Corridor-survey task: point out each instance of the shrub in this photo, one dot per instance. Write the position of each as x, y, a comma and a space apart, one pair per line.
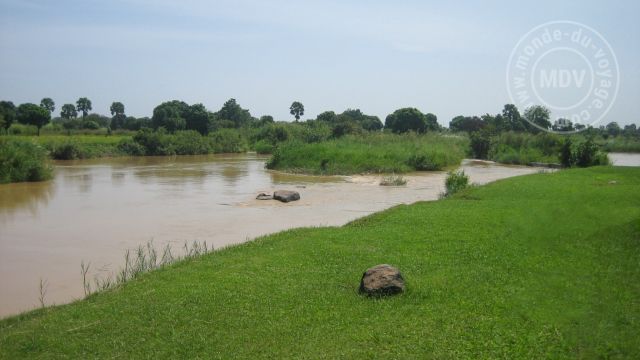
264, 147
21, 129
566, 154
422, 162
587, 154
524, 148
90, 125
23, 161
130, 147
189, 142
273, 133
456, 181
67, 150
480, 144
154, 142
227, 141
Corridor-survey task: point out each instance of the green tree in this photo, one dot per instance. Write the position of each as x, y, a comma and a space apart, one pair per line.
296, 109
170, 115
7, 114
32, 114
613, 129
264, 120
466, 123
480, 144
48, 104
512, 119
68, 112
83, 105
538, 115
327, 116
406, 119
431, 122
232, 112
630, 130
198, 118
360, 120
117, 115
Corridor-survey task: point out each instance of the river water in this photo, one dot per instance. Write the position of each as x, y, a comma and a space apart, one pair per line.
93, 210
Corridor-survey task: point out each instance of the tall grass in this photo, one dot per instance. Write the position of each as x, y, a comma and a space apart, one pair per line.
455, 181
23, 161
524, 148
621, 144
374, 153
143, 259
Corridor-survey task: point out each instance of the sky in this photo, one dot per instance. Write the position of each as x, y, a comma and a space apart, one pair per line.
447, 58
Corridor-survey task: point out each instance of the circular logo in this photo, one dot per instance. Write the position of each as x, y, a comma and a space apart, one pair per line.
567, 67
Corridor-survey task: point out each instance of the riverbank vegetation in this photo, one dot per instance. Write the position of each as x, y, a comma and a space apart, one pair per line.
482, 282
332, 143
379, 153
23, 161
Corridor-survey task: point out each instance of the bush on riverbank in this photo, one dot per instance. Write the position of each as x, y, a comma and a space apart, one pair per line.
455, 181
524, 148
23, 161
373, 153
186, 142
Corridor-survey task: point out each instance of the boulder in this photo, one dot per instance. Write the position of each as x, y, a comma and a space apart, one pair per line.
263, 196
286, 195
381, 280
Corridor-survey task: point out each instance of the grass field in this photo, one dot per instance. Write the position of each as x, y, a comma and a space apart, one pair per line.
374, 153
539, 266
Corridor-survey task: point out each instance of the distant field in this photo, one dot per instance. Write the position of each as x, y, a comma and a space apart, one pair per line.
539, 266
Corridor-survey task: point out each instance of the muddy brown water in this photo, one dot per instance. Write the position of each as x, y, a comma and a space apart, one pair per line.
93, 210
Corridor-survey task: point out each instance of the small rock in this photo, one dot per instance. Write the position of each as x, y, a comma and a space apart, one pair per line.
286, 195
381, 280
263, 196
612, 182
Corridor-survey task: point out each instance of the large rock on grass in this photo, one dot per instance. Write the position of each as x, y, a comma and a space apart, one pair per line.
286, 195
381, 280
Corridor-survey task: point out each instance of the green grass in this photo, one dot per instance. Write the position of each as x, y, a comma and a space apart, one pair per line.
23, 161
525, 148
64, 147
621, 144
373, 153
539, 266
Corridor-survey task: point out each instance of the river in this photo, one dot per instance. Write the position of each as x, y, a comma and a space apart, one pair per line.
93, 210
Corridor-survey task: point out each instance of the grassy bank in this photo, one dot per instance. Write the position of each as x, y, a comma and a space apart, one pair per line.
375, 153
23, 161
621, 144
540, 266
62, 147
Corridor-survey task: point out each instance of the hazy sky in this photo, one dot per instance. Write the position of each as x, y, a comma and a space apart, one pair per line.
448, 58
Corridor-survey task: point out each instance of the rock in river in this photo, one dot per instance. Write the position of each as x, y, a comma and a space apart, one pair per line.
381, 280
286, 195
263, 196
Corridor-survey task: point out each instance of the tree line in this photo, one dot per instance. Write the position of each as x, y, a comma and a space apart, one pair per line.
177, 115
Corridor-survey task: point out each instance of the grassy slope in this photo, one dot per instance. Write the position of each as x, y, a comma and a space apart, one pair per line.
537, 266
